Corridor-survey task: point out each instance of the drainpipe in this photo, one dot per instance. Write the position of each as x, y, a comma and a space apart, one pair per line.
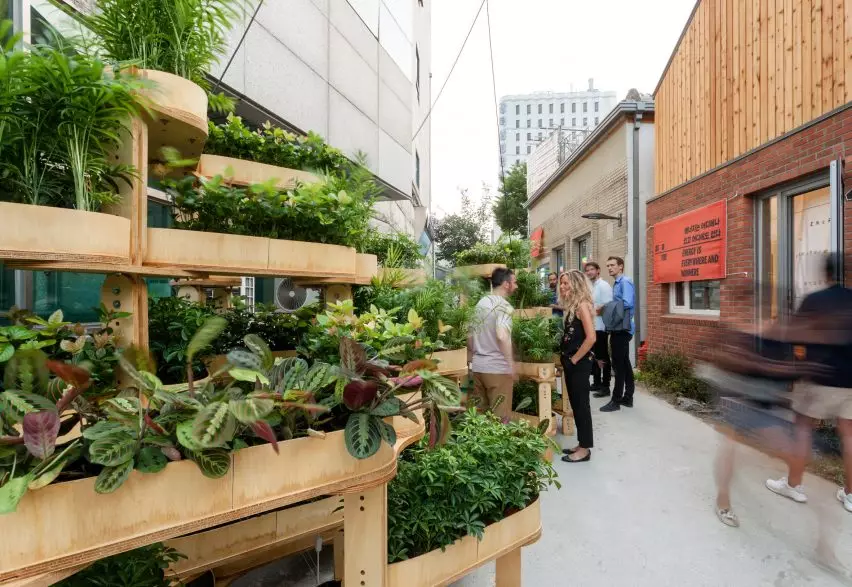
638, 280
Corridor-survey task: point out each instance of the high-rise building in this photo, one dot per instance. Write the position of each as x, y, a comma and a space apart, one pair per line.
528, 119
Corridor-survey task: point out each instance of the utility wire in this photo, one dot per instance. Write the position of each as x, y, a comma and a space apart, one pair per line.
494, 90
438, 97
237, 48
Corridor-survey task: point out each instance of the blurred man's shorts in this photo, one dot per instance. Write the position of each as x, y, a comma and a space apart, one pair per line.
821, 402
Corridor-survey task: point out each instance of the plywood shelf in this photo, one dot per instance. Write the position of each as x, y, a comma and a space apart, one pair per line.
178, 114
243, 173
451, 361
366, 268
484, 271
533, 312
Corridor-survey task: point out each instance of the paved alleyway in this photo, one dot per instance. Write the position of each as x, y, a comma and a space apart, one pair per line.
640, 513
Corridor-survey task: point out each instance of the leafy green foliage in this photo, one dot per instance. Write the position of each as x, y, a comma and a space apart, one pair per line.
531, 293
510, 250
184, 37
335, 211
397, 250
275, 146
462, 230
525, 397
172, 322
142, 567
534, 339
672, 372
509, 211
485, 471
62, 115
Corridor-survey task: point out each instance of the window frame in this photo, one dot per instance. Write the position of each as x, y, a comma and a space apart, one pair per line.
685, 309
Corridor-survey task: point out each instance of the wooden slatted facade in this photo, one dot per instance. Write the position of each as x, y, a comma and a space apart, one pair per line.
746, 72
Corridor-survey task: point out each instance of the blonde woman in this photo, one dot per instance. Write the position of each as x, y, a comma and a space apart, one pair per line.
575, 297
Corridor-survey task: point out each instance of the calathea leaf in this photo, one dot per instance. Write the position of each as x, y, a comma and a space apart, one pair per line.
211, 328
40, 432
214, 425
318, 377
259, 347
12, 492
248, 376
265, 431
293, 376
48, 475
112, 450
250, 410
103, 428
151, 460
388, 433
362, 435
359, 393
214, 463
17, 404
183, 431
111, 478
389, 407
352, 356
245, 360
130, 370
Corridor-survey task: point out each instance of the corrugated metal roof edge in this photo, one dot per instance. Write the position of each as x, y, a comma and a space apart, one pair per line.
621, 110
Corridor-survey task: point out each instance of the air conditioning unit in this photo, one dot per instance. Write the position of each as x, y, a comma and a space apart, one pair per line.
290, 297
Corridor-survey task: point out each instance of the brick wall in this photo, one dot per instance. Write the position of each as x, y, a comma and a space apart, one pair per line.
792, 159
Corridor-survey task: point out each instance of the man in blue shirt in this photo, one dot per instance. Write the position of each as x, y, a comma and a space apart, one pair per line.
623, 290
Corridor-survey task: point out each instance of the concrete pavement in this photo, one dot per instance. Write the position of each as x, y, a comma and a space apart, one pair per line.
641, 514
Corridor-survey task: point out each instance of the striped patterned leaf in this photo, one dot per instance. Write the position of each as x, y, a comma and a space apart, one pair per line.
214, 463
183, 431
259, 347
318, 377
12, 492
388, 433
245, 360
111, 478
17, 404
112, 450
202, 338
250, 410
214, 426
362, 435
151, 460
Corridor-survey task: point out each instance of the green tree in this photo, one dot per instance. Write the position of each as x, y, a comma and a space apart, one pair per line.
462, 230
509, 211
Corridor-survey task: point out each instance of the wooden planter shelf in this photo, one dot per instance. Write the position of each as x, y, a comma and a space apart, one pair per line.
484, 271
366, 268
450, 361
502, 541
410, 277
545, 375
178, 114
533, 312
243, 173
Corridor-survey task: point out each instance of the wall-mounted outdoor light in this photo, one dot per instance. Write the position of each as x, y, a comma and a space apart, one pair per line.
601, 216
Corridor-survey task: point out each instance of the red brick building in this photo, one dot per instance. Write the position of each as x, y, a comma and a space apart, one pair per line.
754, 110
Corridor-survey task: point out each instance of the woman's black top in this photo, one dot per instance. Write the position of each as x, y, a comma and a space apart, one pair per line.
573, 337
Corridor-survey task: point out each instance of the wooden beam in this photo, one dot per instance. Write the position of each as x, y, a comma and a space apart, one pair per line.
365, 536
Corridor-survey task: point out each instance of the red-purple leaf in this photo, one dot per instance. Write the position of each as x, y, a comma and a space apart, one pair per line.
433, 431
265, 431
420, 364
353, 357
359, 393
313, 408
40, 432
407, 381
171, 453
153, 425
72, 374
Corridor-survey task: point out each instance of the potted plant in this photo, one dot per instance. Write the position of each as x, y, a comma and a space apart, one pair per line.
510, 250
530, 299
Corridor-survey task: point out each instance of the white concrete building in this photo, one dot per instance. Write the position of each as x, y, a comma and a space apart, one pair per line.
528, 119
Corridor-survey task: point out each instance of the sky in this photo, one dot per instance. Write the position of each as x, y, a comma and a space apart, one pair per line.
539, 45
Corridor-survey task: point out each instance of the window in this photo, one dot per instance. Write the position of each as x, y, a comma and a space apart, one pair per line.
247, 291
517, 124
417, 169
502, 108
502, 135
695, 297
573, 107
539, 135
585, 106
517, 150
529, 123
561, 122
551, 109
550, 123
529, 149
502, 121
562, 108
518, 109
559, 259
517, 137
597, 121
582, 252
417, 73
596, 106
502, 147
585, 122
529, 109
539, 108
529, 136
540, 123
574, 122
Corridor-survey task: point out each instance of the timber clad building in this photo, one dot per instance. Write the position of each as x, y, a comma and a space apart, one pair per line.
753, 150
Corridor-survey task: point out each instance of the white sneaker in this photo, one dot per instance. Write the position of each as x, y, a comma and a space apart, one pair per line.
845, 499
781, 487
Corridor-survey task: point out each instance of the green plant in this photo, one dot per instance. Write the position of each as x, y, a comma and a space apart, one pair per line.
525, 397
275, 146
530, 292
509, 210
183, 37
63, 116
335, 211
672, 372
533, 338
172, 322
510, 250
143, 567
281, 330
397, 250
484, 472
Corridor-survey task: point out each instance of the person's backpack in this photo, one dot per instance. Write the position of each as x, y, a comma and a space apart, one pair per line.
616, 317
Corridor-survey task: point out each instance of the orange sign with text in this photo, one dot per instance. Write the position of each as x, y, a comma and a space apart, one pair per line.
692, 246
535, 242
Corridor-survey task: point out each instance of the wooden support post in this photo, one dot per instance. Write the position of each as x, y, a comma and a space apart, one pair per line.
509, 569
339, 554
123, 293
365, 536
567, 412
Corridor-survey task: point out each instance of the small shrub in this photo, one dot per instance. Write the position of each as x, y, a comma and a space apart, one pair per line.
534, 338
530, 292
398, 250
672, 372
485, 472
142, 567
510, 250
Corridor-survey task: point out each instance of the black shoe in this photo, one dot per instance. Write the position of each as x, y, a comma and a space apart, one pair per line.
627, 403
601, 393
585, 459
611, 407
569, 451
